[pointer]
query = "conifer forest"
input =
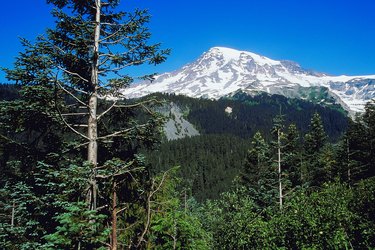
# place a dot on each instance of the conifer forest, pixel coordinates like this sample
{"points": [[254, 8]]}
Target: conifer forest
{"points": [[83, 167]]}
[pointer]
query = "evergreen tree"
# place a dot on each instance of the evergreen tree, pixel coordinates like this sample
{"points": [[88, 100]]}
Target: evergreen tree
{"points": [[258, 175], [63, 120], [316, 137], [292, 158], [257, 160], [356, 150], [315, 140], [369, 121], [90, 44], [173, 225]]}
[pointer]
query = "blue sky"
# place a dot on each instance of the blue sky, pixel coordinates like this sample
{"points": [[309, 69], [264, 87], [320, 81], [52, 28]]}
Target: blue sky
{"points": [[330, 36]]}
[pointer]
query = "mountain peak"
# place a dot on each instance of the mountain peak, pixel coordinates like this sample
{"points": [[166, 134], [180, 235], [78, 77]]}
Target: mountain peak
{"points": [[221, 71], [238, 55]]}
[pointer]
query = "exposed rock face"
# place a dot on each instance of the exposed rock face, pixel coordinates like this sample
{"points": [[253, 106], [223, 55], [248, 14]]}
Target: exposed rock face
{"points": [[177, 126]]}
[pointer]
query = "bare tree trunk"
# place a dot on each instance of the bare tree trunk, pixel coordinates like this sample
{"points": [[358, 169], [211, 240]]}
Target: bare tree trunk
{"points": [[114, 218], [348, 159], [185, 202], [279, 169], [92, 133], [13, 214], [174, 234]]}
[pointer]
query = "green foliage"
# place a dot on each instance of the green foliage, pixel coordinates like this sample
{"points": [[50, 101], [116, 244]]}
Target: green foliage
{"points": [[173, 226], [78, 228], [27, 230], [234, 221], [356, 154], [258, 174], [319, 219], [292, 156], [364, 200], [316, 219], [314, 162], [316, 138]]}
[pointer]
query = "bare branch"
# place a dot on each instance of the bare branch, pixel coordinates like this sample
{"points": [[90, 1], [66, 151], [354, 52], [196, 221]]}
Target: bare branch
{"points": [[119, 173], [112, 35], [69, 126], [121, 132], [138, 103], [72, 95], [106, 111], [11, 140], [72, 73], [161, 182], [79, 125], [126, 65], [149, 197], [116, 41], [120, 210], [78, 146], [74, 114]]}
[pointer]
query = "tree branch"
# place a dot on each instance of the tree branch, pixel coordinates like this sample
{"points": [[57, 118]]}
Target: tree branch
{"points": [[71, 94], [121, 132], [78, 146], [72, 73], [106, 111], [149, 197], [126, 65], [69, 126]]}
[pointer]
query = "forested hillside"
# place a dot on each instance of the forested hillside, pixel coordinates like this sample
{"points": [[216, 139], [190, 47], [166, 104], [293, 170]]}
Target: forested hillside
{"points": [[250, 114], [210, 162]]}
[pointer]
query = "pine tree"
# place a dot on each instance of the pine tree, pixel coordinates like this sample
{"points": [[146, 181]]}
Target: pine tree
{"points": [[292, 159], [369, 121], [315, 140], [71, 80], [355, 160], [316, 137], [258, 174], [83, 58], [257, 160]]}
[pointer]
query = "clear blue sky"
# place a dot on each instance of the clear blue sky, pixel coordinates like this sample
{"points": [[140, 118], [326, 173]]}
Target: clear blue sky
{"points": [[331, 36]]}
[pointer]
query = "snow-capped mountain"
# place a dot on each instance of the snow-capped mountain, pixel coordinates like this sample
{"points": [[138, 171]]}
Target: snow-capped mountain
{"points": [[222, 71]]}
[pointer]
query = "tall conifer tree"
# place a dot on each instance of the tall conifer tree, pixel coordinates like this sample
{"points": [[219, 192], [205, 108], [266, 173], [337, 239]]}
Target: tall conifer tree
{"points": [[315, 140], [83, 59]]}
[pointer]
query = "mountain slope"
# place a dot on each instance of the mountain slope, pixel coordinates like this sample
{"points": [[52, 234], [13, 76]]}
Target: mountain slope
{"points": [[242, 115], [222, 71]]}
